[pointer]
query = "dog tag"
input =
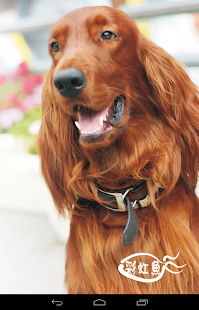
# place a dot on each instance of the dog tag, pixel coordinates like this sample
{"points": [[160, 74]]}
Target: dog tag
{"points": [[131, 228]]}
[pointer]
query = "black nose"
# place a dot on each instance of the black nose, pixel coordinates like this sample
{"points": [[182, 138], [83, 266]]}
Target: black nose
{"points": [[70, 82]]}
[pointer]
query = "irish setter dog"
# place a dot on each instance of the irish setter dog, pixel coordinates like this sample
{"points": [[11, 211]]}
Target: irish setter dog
{"points": [[120, 113]]}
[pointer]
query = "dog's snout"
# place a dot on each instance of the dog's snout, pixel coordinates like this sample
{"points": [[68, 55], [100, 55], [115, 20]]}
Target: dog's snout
{"points": [[70, 82]]}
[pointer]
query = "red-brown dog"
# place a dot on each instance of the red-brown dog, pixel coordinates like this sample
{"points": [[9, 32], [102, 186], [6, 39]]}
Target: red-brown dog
{"points": [[120, 116]]}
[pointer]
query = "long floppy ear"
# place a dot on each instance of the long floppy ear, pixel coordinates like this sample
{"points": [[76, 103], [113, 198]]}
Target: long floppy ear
{"points": [[176, 99], [54, 147], [62, 162]]}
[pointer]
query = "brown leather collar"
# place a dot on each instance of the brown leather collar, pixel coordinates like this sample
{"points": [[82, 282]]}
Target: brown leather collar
{"points": [[128, 200], [116, 201]]}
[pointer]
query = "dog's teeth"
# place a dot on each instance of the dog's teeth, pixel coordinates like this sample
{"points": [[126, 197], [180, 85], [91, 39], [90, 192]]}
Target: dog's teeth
{"points": [[77, 125], [90, 132], [101, 121]]}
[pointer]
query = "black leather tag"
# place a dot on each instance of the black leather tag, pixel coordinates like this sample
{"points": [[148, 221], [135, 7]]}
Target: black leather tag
{"points": [[131, 228]]}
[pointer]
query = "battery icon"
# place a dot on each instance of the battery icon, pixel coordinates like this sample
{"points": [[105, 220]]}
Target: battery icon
{"points": [[142, 302]]}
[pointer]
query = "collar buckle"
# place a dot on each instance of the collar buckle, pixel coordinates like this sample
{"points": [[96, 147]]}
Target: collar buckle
{"points": [[117, 201]]}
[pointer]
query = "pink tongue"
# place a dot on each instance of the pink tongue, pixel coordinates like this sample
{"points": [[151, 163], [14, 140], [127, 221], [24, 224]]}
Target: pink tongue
{"points": [[89, 120]]}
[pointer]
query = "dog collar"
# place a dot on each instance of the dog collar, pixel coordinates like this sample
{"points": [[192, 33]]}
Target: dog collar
{"points": [[129, 200], [138, 197]]}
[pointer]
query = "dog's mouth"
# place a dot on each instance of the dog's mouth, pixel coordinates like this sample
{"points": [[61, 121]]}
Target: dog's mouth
{"points": [[93, 124]]}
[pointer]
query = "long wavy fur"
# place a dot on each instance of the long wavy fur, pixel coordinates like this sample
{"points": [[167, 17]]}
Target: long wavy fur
{"points": [[161, 146]]}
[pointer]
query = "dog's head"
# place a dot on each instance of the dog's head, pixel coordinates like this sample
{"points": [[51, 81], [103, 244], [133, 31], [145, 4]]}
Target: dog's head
{"points": [[111, 90], [95, 72]]}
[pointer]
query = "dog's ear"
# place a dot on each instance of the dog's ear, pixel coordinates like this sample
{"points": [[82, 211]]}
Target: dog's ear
{"points": [[53, 148], [176, 99], [61, 160]]}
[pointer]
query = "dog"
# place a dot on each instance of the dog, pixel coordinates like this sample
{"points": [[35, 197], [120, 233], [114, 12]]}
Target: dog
{"points": [[119, 148]]}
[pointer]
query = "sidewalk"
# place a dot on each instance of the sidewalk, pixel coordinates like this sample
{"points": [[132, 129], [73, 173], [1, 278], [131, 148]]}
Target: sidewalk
{"points": [[32, 236], [32, 259]]}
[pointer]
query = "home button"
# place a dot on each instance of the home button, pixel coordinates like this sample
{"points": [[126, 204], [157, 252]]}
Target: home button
{"points": [[99, 302]]}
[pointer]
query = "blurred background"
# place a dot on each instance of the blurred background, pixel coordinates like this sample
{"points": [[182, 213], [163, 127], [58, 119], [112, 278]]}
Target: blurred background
{"points": [[32, 235]]}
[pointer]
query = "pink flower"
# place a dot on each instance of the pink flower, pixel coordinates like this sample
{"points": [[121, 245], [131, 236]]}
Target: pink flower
{"points": [[2, 79], [38, 79], [38, 91], [22, 69], [30, 82], [32, 100], [28, 103], [27, 86], [15, 100], [9, 116]]}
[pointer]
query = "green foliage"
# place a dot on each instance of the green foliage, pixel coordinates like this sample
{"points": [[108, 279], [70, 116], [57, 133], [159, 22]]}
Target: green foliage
{"points": [[21, 128]]}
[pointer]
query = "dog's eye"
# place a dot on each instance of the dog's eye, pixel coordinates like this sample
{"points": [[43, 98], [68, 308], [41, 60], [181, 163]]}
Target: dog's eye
{"points": [[55, 47], [108, 35]]}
